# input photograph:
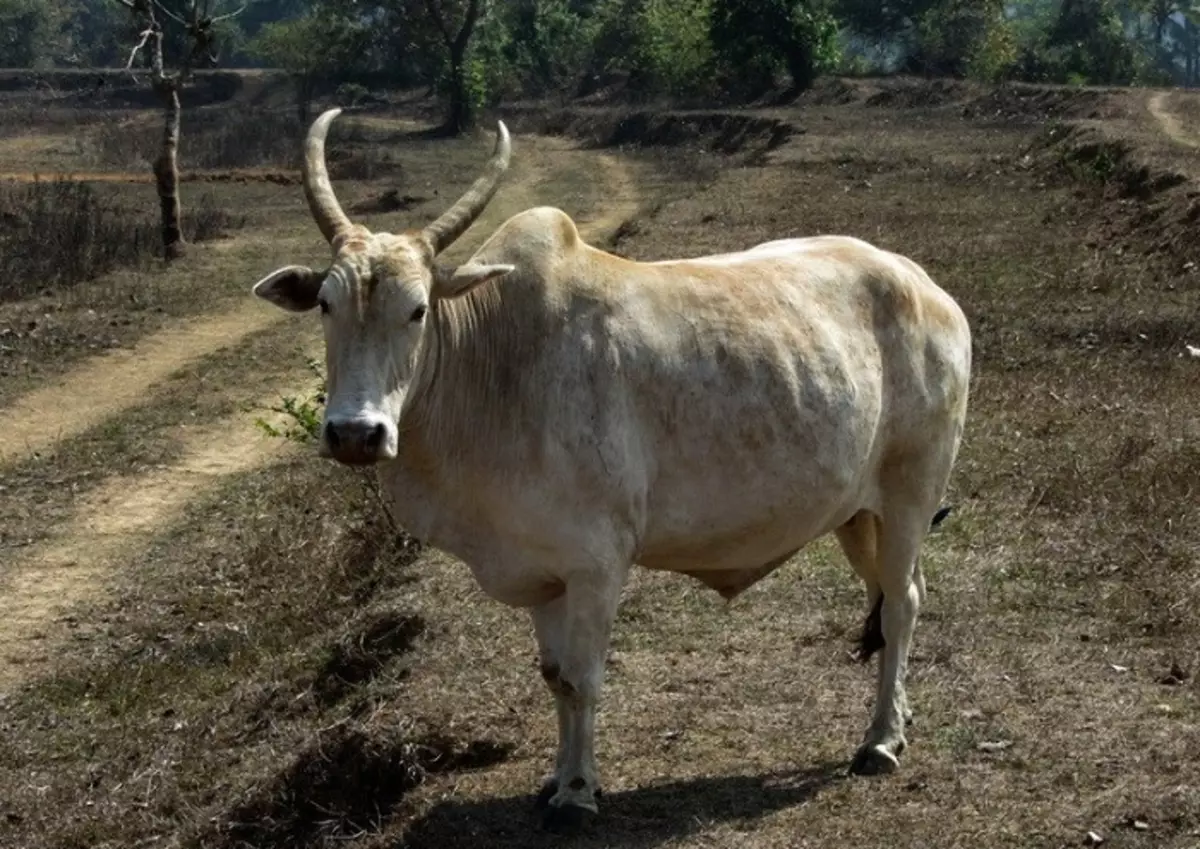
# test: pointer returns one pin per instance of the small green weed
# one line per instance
(304, 414)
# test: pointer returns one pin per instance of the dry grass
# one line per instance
(283, 670)
(61, 232)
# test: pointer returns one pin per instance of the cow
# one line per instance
(552, 415)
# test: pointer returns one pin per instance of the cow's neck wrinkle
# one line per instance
(463, 405)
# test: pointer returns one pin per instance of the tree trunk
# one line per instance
(304, 96)
(166, 173)
(459, 118)
(803, 67)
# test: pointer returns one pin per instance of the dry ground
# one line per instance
(228, 646)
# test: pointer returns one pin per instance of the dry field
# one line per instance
(210, 638)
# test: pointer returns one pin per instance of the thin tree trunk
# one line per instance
(459, 119)
(304, 97)
(166, 173)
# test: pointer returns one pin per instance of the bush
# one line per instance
(62, 232)
(754, 39)
(673, 51)
(233, 137)
(994, 57)
(962, 37)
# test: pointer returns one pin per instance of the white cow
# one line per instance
(552, 414)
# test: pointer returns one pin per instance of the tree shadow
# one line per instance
(634, 819)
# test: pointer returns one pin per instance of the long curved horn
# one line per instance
(454, 221)
(321, 200)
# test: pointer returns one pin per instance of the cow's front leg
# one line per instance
(573, 633)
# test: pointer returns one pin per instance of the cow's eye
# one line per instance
(418, 313)
(324, 305)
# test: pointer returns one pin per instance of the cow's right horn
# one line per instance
(454, 221)
(321, 200)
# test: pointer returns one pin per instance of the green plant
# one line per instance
(303, 415)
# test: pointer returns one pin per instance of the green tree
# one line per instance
(99, 34)
(289, 45)
(1089, 43)
(31, 32)
(455, 21)
(548, 43)
(954, 37)
(881, 20)
(674, 50)
(752, 39)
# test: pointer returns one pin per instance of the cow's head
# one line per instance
(374, 299)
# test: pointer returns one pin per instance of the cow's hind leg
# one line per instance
(573, 634)
(859, 539)
(911, 492)
(902, 532)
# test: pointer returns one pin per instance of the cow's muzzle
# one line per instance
(358, 442)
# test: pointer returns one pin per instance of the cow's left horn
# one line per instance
(321, 199)
(454, 221)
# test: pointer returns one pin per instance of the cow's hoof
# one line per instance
(874, 760)
(566, 820)
(546, 794)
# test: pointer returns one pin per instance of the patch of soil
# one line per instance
(389, 201)
(347, 783)
(1145, 208)
(279, 178)
(1038, 104)
(722, 132)
(108, 88)
(831, 91)
(912, 94)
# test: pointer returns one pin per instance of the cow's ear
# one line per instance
(293, 287)
(456, 283)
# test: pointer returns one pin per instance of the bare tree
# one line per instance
(197, 21)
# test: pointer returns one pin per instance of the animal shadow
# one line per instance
(633, 819)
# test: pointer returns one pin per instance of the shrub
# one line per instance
(233, 137)
(754, 39)
(673, 50)
(62, 232)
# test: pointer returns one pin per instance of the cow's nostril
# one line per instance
(331, 436)
(375, 437)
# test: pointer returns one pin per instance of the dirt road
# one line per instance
(1159, 107)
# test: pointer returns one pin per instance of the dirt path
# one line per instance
(1169, 121)
(111, 524)
(112, 382)
(115, 521)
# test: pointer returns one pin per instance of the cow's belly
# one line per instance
(749, 496)
(708, 539)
